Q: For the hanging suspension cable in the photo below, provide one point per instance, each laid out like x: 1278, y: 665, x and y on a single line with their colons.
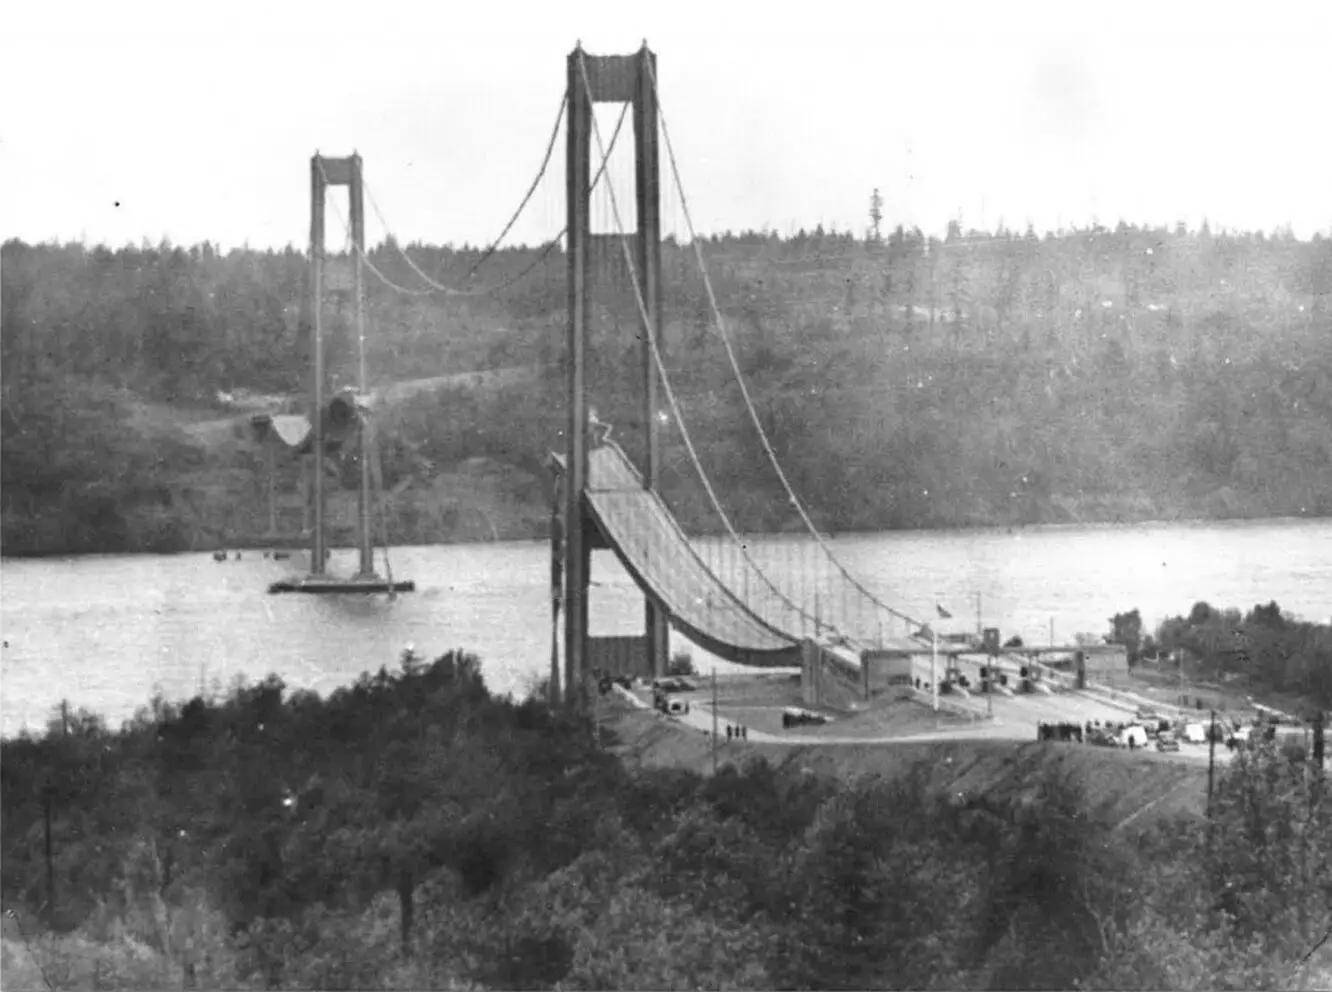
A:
x: 494, y: 245
x: 545, y: 162
x: 735, y: 366
x: 488, y: 290
x: 375, y: 271
x: 657, y: 359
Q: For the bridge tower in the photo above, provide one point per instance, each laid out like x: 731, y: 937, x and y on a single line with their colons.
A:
x: 325, y: 172
x: 607, y: 79
x: 334, y: 420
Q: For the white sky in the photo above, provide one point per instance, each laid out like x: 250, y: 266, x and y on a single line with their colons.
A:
x: 126, y: 120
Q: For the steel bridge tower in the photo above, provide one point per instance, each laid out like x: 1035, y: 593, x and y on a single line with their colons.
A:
x: 607, y: 79
x: 334, y: 420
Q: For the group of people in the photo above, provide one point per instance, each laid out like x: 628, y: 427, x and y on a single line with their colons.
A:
x: 1061, y: 732
x: 1080, y: 733
x: 275, y: 555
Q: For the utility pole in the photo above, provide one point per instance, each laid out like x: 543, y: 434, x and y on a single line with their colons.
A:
x: 1052, y: 632
x: 50, y: 861
x: 1211, y: 762
x: 714, y: 720
x: 1318, y: 741
x: 934, y: 667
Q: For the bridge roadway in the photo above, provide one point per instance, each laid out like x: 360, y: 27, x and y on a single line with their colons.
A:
x: 637, y: 525
x: 655, y: 551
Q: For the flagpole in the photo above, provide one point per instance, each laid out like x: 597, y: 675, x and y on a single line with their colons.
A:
x: 934, y: 665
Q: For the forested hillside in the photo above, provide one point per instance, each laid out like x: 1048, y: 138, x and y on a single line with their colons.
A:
x: 412, y: 831
x: 985, y: 378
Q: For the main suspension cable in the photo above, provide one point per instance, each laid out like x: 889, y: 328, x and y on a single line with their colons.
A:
x: 494, y: 245
x: 665, y: 378
x: 735, y: 366
x: 545, y: 162
x: 488, y: 290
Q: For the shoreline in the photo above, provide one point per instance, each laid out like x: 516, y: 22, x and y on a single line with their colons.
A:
x: 518, y: 535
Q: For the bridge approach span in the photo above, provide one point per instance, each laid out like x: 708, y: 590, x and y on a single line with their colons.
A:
x: 638, y: 526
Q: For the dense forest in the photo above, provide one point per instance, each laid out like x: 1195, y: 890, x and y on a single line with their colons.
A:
x: 983, y: 378
x: 413, y: 831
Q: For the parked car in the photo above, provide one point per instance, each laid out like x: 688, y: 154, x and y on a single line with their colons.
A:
x: 1195, y: 733
x: 673, y: 685
x: 795, y: 717
x: 1167, y: 742
x: 669, y: 704
x: 1133, y: 736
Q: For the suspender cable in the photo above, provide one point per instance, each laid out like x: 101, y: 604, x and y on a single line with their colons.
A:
x: 656, y: 350
x: 730, y: 353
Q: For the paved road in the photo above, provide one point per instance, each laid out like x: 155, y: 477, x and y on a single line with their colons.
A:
x: 1015, y: 719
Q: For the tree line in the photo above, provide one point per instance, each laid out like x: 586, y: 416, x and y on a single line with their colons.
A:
x: 414, y: 831
x: 1267, y: 648
x: 982, y: 378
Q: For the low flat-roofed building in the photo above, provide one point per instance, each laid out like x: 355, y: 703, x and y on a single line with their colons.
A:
x: 1106, y: 664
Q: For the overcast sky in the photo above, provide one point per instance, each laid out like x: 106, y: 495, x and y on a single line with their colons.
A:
x: 130, y: 120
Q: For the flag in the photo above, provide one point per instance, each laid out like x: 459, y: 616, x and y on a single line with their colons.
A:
x: 942, y: 612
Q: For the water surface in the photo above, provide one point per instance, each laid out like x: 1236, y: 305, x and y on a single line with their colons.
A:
x: 103, y: 631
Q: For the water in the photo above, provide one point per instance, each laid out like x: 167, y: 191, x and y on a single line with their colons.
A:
x: 103, y: 631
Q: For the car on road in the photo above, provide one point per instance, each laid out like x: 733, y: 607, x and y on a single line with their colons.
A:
x: 1195, y: 733
x: 793, y: 716
x: 668, y: 704
x: 673, y: 685
x: 1132, y: 737
x: 1101, y: 737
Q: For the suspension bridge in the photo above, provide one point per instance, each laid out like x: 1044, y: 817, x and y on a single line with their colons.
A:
x: 721, y: 593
